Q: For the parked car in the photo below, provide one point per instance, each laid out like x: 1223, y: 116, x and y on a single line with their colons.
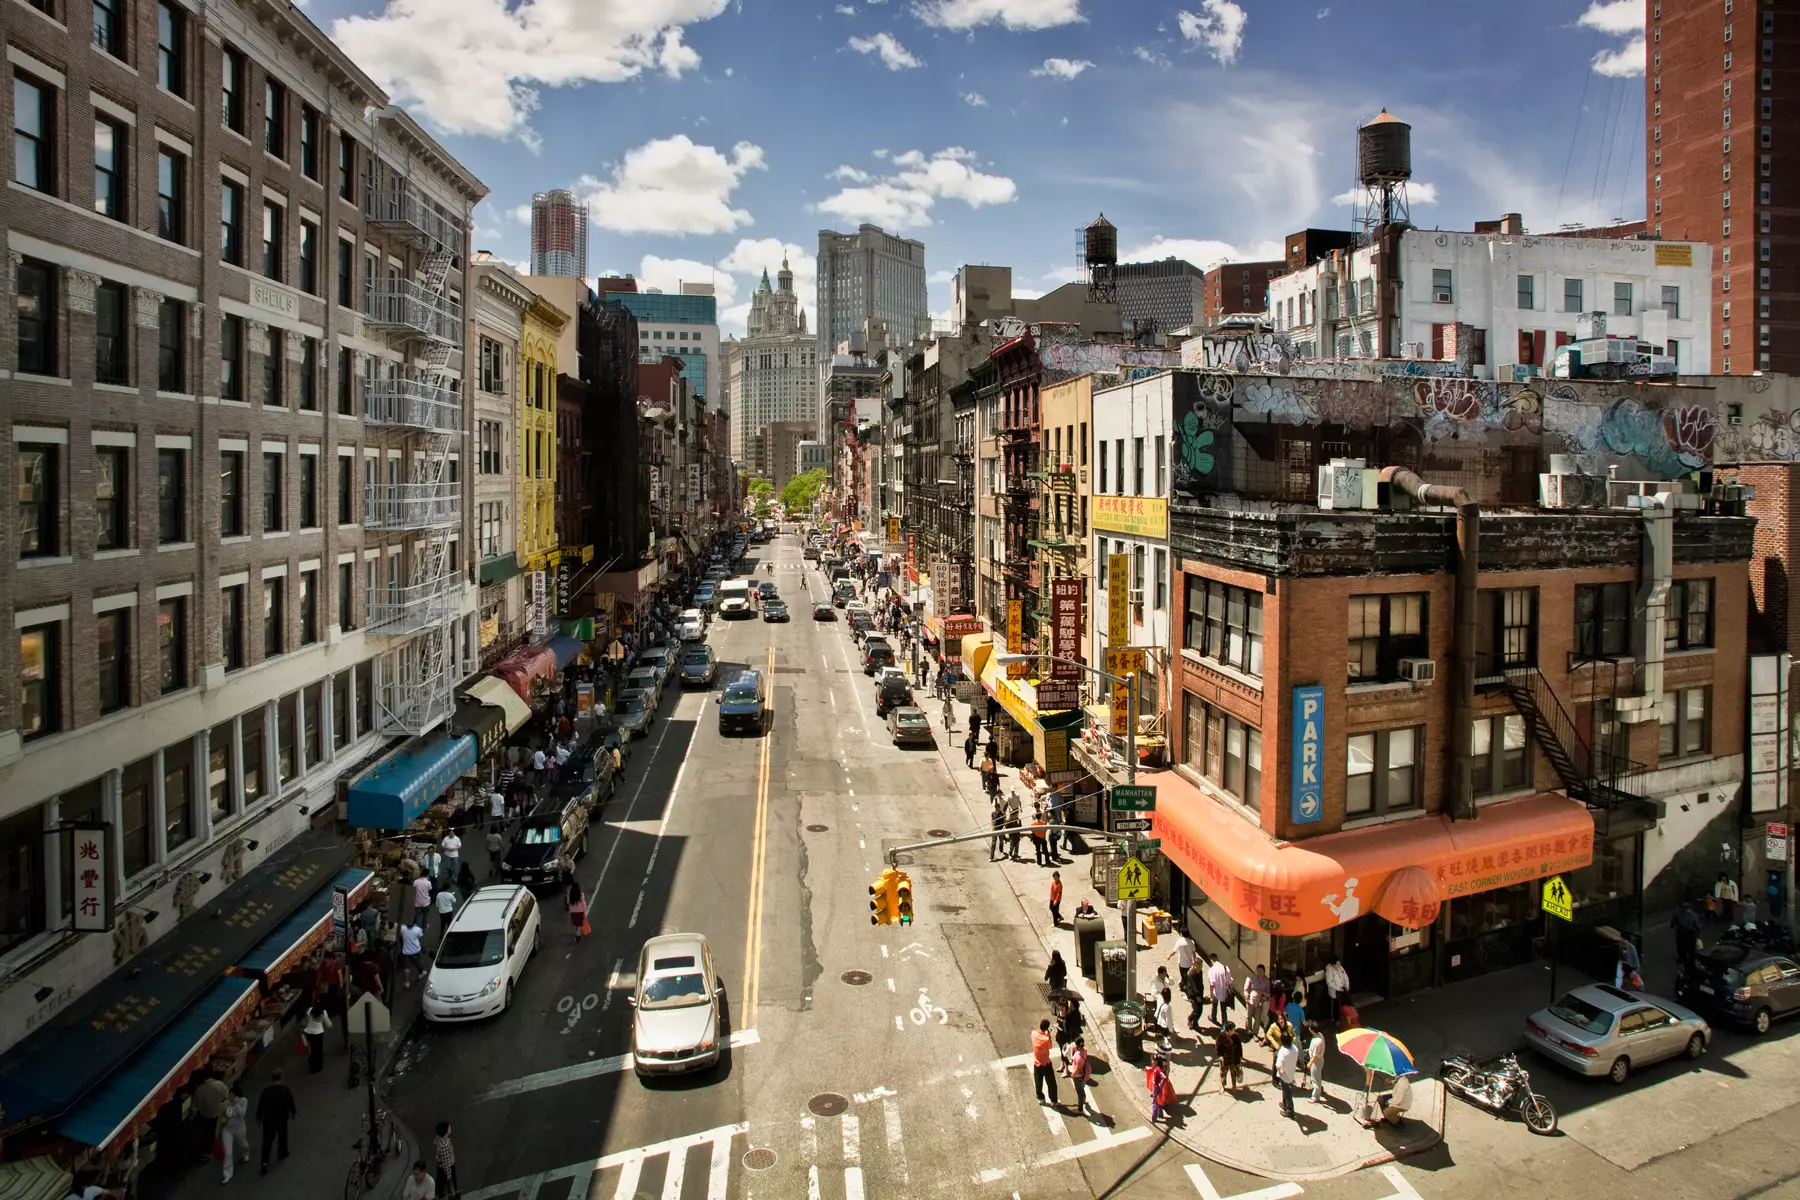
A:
x: 876, y: 654
x: 677, y: 1024
x: 775, y: 610
x: 892, y: 692
x: 822, y: 611
x: 552, y: 835
x: 704, y: 597
x: 1603, y: 1030
x: 1743, y: 984
x: 698, y: 666
x: 811, y: 553
x: 482, y: 955
x: 841, y: 591
x: 692, y: 626
x: 632, y: 714
x: 907, y: 724
x: 744, y: 704
x: 648, y: 677
x: 663, y: 658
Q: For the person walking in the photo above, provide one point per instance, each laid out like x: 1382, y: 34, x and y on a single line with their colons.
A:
x: 445, y: 1153
x: 496, y: 815
x: 446, y: 909
x: 421, y: 897
x: 1256, y: 999
x: 412, y: 947
x: 1162, y: 1092
x: 1725, y: 898
x: 1081, y: 1074
x: 1056, y: 893
x: 1315, y: 1060
x: 452, y: 848
x: 1068, y: 1026
x: 209, y: 1109
x: 1686, y: 925
x: 997, y: 845
x: 419, y: 1185
x: 274, y: 1109
x: 969, y: 751
x: 1286, y: 1060
x: 496, y: 847
x: 1040, y: 835
x: 577, y: 902
x: 1218, y: 986
x: 1043, y: 1076
x: 1193, y: 986
x: 1013, y: 829
x: 1337, y: 989
x: 1057, y: 973
x: 313, y: 1029
x: 1279, y: 1031
x: 1229, y: 1046
x: 234, y: 1137
x: 990, y: 777
x: 1165, y: 1014
x: 974, y: 722
x: 1183, y: 952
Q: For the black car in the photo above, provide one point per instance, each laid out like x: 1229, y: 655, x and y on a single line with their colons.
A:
x: 894, y: 692
x: 775, y: 610
x: 1744, y: 984
x: 822, y: 611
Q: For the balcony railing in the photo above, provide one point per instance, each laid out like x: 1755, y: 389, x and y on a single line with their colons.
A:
x: 401, y: 612
x: 410, y: 402
x: 391, y: 203
x: 412, y: 505
x: 407, y: 306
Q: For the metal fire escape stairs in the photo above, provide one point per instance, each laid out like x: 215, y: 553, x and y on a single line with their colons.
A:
x: 419, y: 401
x: 1602, y: 780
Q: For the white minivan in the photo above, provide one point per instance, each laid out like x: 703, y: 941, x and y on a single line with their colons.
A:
x: 482, y: 956
x: 692, y: 627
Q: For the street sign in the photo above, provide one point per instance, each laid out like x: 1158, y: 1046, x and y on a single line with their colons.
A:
x: 1133, y: 799
x: 1134, y: 880
x: 1130, y: 824
x: 1557, y: 901
x: 1056, y: 697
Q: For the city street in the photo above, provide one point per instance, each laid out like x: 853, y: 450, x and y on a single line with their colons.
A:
x: 889, y: 1061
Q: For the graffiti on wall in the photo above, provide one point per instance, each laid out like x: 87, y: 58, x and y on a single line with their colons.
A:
x: 1065, y: 356
x: 1608, y: 419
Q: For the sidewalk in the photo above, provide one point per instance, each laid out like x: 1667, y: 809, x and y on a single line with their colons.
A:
x: 1242, y: 1130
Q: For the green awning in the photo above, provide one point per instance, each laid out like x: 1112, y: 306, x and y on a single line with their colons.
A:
x: 499, y: 569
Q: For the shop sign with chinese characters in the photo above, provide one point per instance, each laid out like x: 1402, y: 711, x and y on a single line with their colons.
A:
x: 1135, y: 516
x: 1015, y: 639
x: 1120, y: 662
x: 1065, y: 626
x: 90, y: 873
x: 1118, y: 586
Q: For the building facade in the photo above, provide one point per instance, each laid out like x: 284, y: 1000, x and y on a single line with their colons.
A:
x: 869, y: 278
x: 1130, y: 517
x: 1160, y: 296
x: 685, y: 325
x: 559, y: 233
x: 1237, y: 288
x: 497, y: 320
x: 542, y: 328
x: 773, y: 369
x: 777, y: 456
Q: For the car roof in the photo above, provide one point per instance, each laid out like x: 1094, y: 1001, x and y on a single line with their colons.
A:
x: 640, y: 693
x: 1609, y: 998
x: 1739, y: 955
x: 909, y: 710
x: 487, y: 908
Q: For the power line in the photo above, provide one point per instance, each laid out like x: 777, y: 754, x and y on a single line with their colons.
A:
x: 1587, y: 77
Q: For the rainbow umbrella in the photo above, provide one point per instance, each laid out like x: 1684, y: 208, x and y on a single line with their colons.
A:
x: 1377, y: 1051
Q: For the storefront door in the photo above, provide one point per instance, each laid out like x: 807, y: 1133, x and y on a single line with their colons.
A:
x: 1365, y: 954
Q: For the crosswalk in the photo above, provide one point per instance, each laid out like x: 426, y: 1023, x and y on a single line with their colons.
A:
x: 973, y: 1131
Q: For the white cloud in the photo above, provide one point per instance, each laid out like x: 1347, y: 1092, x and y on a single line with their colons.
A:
x: 670, y: 273
x: 671, y: 185
x: 1062, y: 68
x: 1205, y: 253
x: 1621, y: 18
x: 894, y: 56
x: 974, y: 99
x: 1417, y: 192
x: 1262, y: 174
x: 847, y: 10
x: 940, y: 277
x: 475, y: 66
x: 1013, y: 14
x: 1219, y: 26
x: 1145, y: 54
x: 904, y: 199
x: 1323, y: 13
x: 520, y: 213
x: 1625, y: 62
x: 847, y: 174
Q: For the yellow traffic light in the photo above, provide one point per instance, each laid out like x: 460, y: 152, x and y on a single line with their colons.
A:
x: 881, y: 899
x: 903, y: 897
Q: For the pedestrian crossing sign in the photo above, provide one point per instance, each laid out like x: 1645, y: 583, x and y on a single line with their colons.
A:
x: 1557, y: 901
x: 1134, y: 880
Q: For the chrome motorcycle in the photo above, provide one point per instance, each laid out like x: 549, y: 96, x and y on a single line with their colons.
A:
x: 1501, y: 1085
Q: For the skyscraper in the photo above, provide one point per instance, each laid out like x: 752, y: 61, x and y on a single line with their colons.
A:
x: 870, y: 276
x: 773, y: 369
x: 684, y: 324
x: 559, y: 228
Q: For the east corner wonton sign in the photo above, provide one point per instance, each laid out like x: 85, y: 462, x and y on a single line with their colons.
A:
x: 90, y: 878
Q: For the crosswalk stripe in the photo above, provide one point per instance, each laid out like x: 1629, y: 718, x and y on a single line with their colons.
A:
x: 718, y: 1181
x: 890, y: 1113
x: 611, y: 1065
x: 676, y: 1175
x: 853, y: 1179
x: 628, y: 1180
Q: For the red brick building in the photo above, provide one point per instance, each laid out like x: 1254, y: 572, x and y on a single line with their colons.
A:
x: 1238, y: 288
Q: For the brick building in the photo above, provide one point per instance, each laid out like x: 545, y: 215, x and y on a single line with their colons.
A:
x: 1238, y: 288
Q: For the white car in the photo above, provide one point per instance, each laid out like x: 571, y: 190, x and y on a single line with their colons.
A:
x: 692, y: 627
x: 736, y: 607
x: 480, y: 959
x: 677, y: 1022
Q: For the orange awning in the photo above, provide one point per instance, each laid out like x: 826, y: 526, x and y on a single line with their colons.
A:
x: 1403, y: 870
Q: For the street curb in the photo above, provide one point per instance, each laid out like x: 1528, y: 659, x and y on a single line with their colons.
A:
x: 383, y: 1075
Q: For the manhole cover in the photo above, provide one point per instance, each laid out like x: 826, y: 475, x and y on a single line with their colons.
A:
x: 759, y: 1159
x: 856, y: 978
x: 937, y: 833
x: 817, y: 828
x: 827, y: 1104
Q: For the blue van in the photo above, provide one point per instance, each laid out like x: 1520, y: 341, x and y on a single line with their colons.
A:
x: 744, y: 704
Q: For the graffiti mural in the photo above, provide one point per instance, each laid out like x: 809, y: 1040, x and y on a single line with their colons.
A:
x: 1064, y: 357
x: 1202, y: 412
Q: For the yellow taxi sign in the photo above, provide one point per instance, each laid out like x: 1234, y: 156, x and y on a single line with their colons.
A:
x: 1557, y: 901
x: 1134, y: 880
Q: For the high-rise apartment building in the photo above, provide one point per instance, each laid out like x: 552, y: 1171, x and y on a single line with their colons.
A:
x: 1723, y: 148
x: 1240, y: 287
x: 684, y: 324
x: 772, y: 370
x: 870, y: 277
x: 559, y: 229
x: 1163, y: 296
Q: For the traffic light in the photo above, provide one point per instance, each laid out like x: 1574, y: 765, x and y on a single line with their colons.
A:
x: 881, y: 899
x: 903, y: 897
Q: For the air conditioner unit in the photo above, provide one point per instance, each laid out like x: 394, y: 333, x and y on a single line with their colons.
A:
x: 1418, y: 670
x: 1137, y: 595
x: 1441, y: 297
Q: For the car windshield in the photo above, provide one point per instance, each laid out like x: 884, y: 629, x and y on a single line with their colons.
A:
x: 698, y: 658
x: 910, y: 718
x: 741, y: 693
x: 1581, y: 1014
x: 541, y: 835
x: 675, y: 991
x: 472, y: 948
x: 629, y: 705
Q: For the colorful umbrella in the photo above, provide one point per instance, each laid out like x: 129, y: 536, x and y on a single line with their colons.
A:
x: 1377, y: 1051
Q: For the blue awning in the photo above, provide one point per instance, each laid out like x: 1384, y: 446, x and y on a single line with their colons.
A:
x: 392, y: 793
x: 150, y: 1076
x: 300, y: 932
x: 565, y: 649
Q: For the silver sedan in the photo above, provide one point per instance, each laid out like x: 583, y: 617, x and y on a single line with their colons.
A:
x: 677, y: 1024
x: 1604, y: 1030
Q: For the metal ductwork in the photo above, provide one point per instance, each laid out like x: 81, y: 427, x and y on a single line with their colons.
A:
x: 1653, y: 601
x: 1463, y: 631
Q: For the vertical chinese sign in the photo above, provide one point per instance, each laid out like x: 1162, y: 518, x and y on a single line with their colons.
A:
x: 1118, y: 632
x: 90, y: 874
x: 1015, y: 639
x: 1065, y: 626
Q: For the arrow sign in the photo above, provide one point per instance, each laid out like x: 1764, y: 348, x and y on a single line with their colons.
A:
x: 1131, y: 824
x: 1133, y: 799
x: 1134, y: 880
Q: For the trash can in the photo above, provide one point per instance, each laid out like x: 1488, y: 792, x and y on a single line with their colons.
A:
x: 1110, y: 970
x: 1128, y: 1031
x: 1089, y: 932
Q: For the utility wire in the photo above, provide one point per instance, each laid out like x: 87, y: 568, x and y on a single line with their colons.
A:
x: 1587, y: 77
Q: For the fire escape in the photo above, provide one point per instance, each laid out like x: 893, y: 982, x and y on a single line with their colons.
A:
x: 1020, y: 457
x: 418, y: 402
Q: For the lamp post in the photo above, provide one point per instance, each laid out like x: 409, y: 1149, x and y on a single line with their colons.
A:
x: 1129, y: 683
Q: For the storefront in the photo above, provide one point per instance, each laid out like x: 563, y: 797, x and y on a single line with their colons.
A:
x: 1022, y: 733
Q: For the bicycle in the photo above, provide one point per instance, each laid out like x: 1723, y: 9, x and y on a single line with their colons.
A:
x: 365, y: 1170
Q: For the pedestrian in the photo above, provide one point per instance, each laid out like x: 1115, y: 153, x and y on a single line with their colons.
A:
x: 577, y: 902
x: 1085, y: 910
x: 990, y: 777
x: 997, y: 845
x: 496, y: 808
x: 974, y: 722
x: 274, y: 1109
x: 1725, y: 898
x: 1165, y: 1013
x: 1279, y: 1031
x: 446, y: 909
x: 421, y: 896
x: 313, y: 1029
x: 1162, y: 1092
x: 1057, y: 973
x: 1040, y: 833
x: 537, y: 767
x: 1068, y: 1025
x: 209, y: 1106
x: 1315, y: 1060
x: 234, y: 1136
x: 504, y: 782
x: 367, y: 973
x: 563, y: 752
x: 1218, y: 986
x: 1229, y: 1046
x: 446, y: 1163
x: 1081, y: 1074
x: 1625, y: 974
x: 1043, y: 1076
x: 618, y: 762
x: 1056, y: 898
x: 1286, y: 1059
x: 1184, y: 952
x: 1013, y: 831
x: 419, y: 1184
x: 452, y: 847
x: 412, y: 946
x: 496, y: 845
x: 1193, y: 986
x: 1337, y: 988
x: 969, y: 751
x: 1256, y: 999
x: 369, y: 917
x: 433, y: 866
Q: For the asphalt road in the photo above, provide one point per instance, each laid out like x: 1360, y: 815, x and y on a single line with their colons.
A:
x: 875, y: 1061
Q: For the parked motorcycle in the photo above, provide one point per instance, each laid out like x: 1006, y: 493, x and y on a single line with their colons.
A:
x: 1498, y: 1084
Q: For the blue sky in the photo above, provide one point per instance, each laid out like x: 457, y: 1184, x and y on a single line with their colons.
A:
x: 712, y: 135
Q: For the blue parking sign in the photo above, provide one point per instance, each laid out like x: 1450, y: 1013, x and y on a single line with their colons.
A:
x: 1308, y: 801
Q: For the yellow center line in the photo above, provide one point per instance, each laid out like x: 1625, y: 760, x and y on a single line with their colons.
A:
x: 758, y: 857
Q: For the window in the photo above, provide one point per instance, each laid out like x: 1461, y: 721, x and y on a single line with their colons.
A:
x: 286, y: 761
x: 1602, y: 620
x: 1382, y: 773
x: 309, y: 607
x: 231, y: 626
x: 1102, y: 479
x: 1506, y: 636
x: 1223, y: 749
x: 1572, y: 296
x: 1688, y: 618
x: 1671, y: 300
x: 231, y: 223
x: 1527, y: 291
x: 1137, y: 466
x: 178, y: 794
x: 171, y: 48
x: 35, y: 317
x: 109, y: 169
x: 112, y: 360
x: 135, y: 793
x: 309, y: 141
x: 274, y: 632
x: 1684, y: 723
x: 346, y: 510
x: 309, y: 374
x: 309, y: 258
x: 1224, y: 623
x: 231, y: 358
x: 1162, y: 585
x: 309, y: 491
x: 172, y: 643
x: 1440, y: 285
x: 312, y: 722
x: 34, y: 133
x: 488, y: 446
x: 1119, y: 459
x: 1502, y: 756
x: 231, y: 493
x: 272, y: 350
x: 346, y: 274
x: 346, y: 620
x: 273, y: 509
x: 271, y: 240
x: 493, y: 366
x: 171, y: 196
x: 274, y: 118
x: 112, y: 492
x: 346, y: 375
x: 109, y: 27
x: 252, y: 751
x: 233, y: 83
x: 171, y: 496
x: 1384, y: 630
x: 346, y: 167
x: 40, y: 681
x: 112, y: 635
x: 1622, y: 297
x: 40, y: 494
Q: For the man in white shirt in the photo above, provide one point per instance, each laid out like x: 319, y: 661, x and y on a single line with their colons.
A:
x: 1183, y: 953
x: 446, y: 907
x: 452, y: 846
x: 1218, y: 987
x: 496, y: 808
x: 1396, y: 1102
x: 412, y: 942
x: 1287, y: 1059
x: 562, y: 755
x: 1337, y: 988
x: 419, y: 1184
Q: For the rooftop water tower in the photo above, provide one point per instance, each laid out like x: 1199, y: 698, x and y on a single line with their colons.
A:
x: 1383, y: 168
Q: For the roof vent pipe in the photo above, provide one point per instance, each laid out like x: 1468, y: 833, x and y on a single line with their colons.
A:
x: 1463, y: 630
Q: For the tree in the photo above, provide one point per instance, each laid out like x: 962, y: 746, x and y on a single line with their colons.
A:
x: 801, y: 490
x: 761, y: 489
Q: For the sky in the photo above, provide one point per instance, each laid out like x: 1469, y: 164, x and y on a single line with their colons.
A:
x: 710, y: 137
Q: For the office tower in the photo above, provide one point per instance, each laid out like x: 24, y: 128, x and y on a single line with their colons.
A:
x: 559, y: 228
